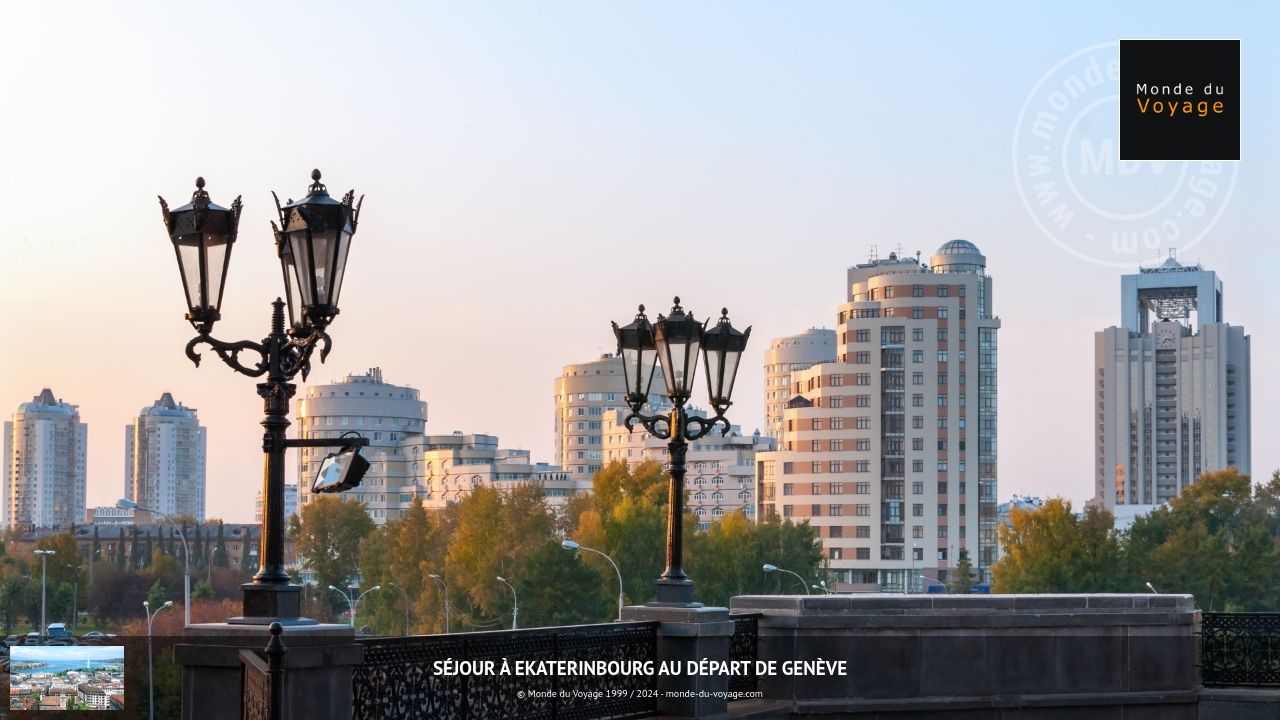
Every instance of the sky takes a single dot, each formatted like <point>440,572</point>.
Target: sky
<point>532,171</point>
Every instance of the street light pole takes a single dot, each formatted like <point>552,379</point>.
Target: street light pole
<point>312,244</point>
<point>44,562</point>
<point>444,589</point>
<point>769,567</point>
<point>515,603</point>
<point>677,341</point>
<point>127,504</point>
<point>151,684</point>
<point>571,545</point>
<point>353,604</point>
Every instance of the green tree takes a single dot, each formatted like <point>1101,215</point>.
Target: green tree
<point>961,580</point>
<point>96,553</point>
<point>557,588</point>
<point>327,533</point>
<point>220,558</point>
<point>202,590</point>
<point>156,595</point>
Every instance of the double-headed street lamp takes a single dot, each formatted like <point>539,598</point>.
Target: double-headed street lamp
<point>771,568</point>
<point>571,545</point>
<point>127,504</point>
<point>515,603</point>
<point>151,684</point>
<point>354,604</point>
<point>44,563</point>
<point>676,341</point>
<point>444,590</point>
<point>312,244</point>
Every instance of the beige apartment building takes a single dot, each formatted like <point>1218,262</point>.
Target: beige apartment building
<point>785,356</point>
<point>889,451</point>
<point>45,448</point>
<point>164,459</point>
<point>721,469</point>
<point>584,393</point>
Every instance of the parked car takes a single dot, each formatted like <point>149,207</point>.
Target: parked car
<point>57,630</point>
<point>31,638</point>
<point>12,640</point>
<point>93,634</point>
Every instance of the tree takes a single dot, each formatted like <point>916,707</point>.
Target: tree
<point>220,558</point>
<point>962,575</point>
<point>155,596</point>
<point>96,553</point>
<point>202,590</point>
<point>1049,550</point>
<point>557,588</point>
<point>327,534</point>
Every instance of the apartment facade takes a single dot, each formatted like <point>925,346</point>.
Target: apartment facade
<point>45,450</point>
<point>165,451</point>
<point>388,415</point>
<point>785,356</point>
<point>720,469</point>
<point>1172,390</point>
<point>584,393</point>
<point>890,451</point>
<point>290,502</point>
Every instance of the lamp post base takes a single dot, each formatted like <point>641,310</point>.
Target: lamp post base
<point>266,603</point>
<point>675,593</point>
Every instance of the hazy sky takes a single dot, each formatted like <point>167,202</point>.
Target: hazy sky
<point>534,170</point>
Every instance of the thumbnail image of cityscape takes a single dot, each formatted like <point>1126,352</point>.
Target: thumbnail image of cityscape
<point>66,678</point>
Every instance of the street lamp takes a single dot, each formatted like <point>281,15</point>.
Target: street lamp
<point>571,545</point>
<point>444,590</point>
<point>151,685</point>
<point>354,604</point>
<point>769,567</point>
<point>928,583</point>
<point>676,341</point>
<point>1150,587</point>
<point>127,504</point>
<point>313,241</point>
<point>44,562</point>
<point>822,585</point>
<point>515,603</point>
<point>406,606</point>
<point>911,579</point>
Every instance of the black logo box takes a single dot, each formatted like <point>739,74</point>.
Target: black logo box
<point>1187,68</point>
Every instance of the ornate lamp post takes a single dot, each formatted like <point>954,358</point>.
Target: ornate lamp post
<point>676,341</point>
<point>312,243</point>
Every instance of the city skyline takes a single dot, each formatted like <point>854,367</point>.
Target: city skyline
<point>524,167</point>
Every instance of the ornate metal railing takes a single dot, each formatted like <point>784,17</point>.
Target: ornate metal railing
<point>262,680</point>
<point>405,678</point>
<point>743,646</point>
<point>1240,648</point>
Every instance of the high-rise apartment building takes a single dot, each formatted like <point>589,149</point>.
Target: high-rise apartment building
<point>45,447</point>
<point>1172,390</point>
<point>388,415</point>
<point>290,502</point>
<point>890,450</point>
<point>584,393</point>
<point>164,459</point>
<point>720,472</point>
<point>785,356</point>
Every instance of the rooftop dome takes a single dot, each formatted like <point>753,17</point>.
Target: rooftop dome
<point>166,406</point>
<point>47,404</point>
<point>958,247</point>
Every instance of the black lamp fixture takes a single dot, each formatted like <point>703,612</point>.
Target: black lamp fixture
<point>313,248</point>
<point>341,470</point>
<point>676,341</point>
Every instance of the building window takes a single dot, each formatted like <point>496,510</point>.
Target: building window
<point>917,378</point>
<point>862,336</point>
<point>942,356</point>
<point>862,358</point>
<point>917,313</point>
<point>862,444</point>
<point>862,401</point>
<point>862,510</point>
<point>862,488</point>
<point>837,466</point>
<point>835,488</point>
<point>864,553</point>
<point>787,488</point>
<point>917,356</point>
<point>862,423</point>
<point>942,532</point>
<point>837,445</point>
<point>862,531</point>
<point>917,291</point>
<point>917,532</point>
<point>836,380</point>
<point>917,488</point>
<point>942,290</point>
<point>862,379</point>
<point>835,553</point>
<point>942,509</point>
<point>917,466</point>
<point>917,400</point>
<point>815,467</point>
<point>942,313</point>
<point>917,510</point>
<point>835,401</point>
<point>835,510</point>
<point>861,466</point>
<point>917,334</point>
<point>788,510</point>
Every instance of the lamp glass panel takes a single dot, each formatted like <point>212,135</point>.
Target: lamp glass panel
<point>631,369</point>
<point>690,365</point>
<point>189,258</point>
<point>217,250</point>
<point>648,363</point>
<point>299,245</point>
<point>731,360</point>
<point>340,269</point>
<point>714,377</point>
<point>323,247</point>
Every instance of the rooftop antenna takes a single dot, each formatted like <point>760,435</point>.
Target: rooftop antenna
<point>874,252</point>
